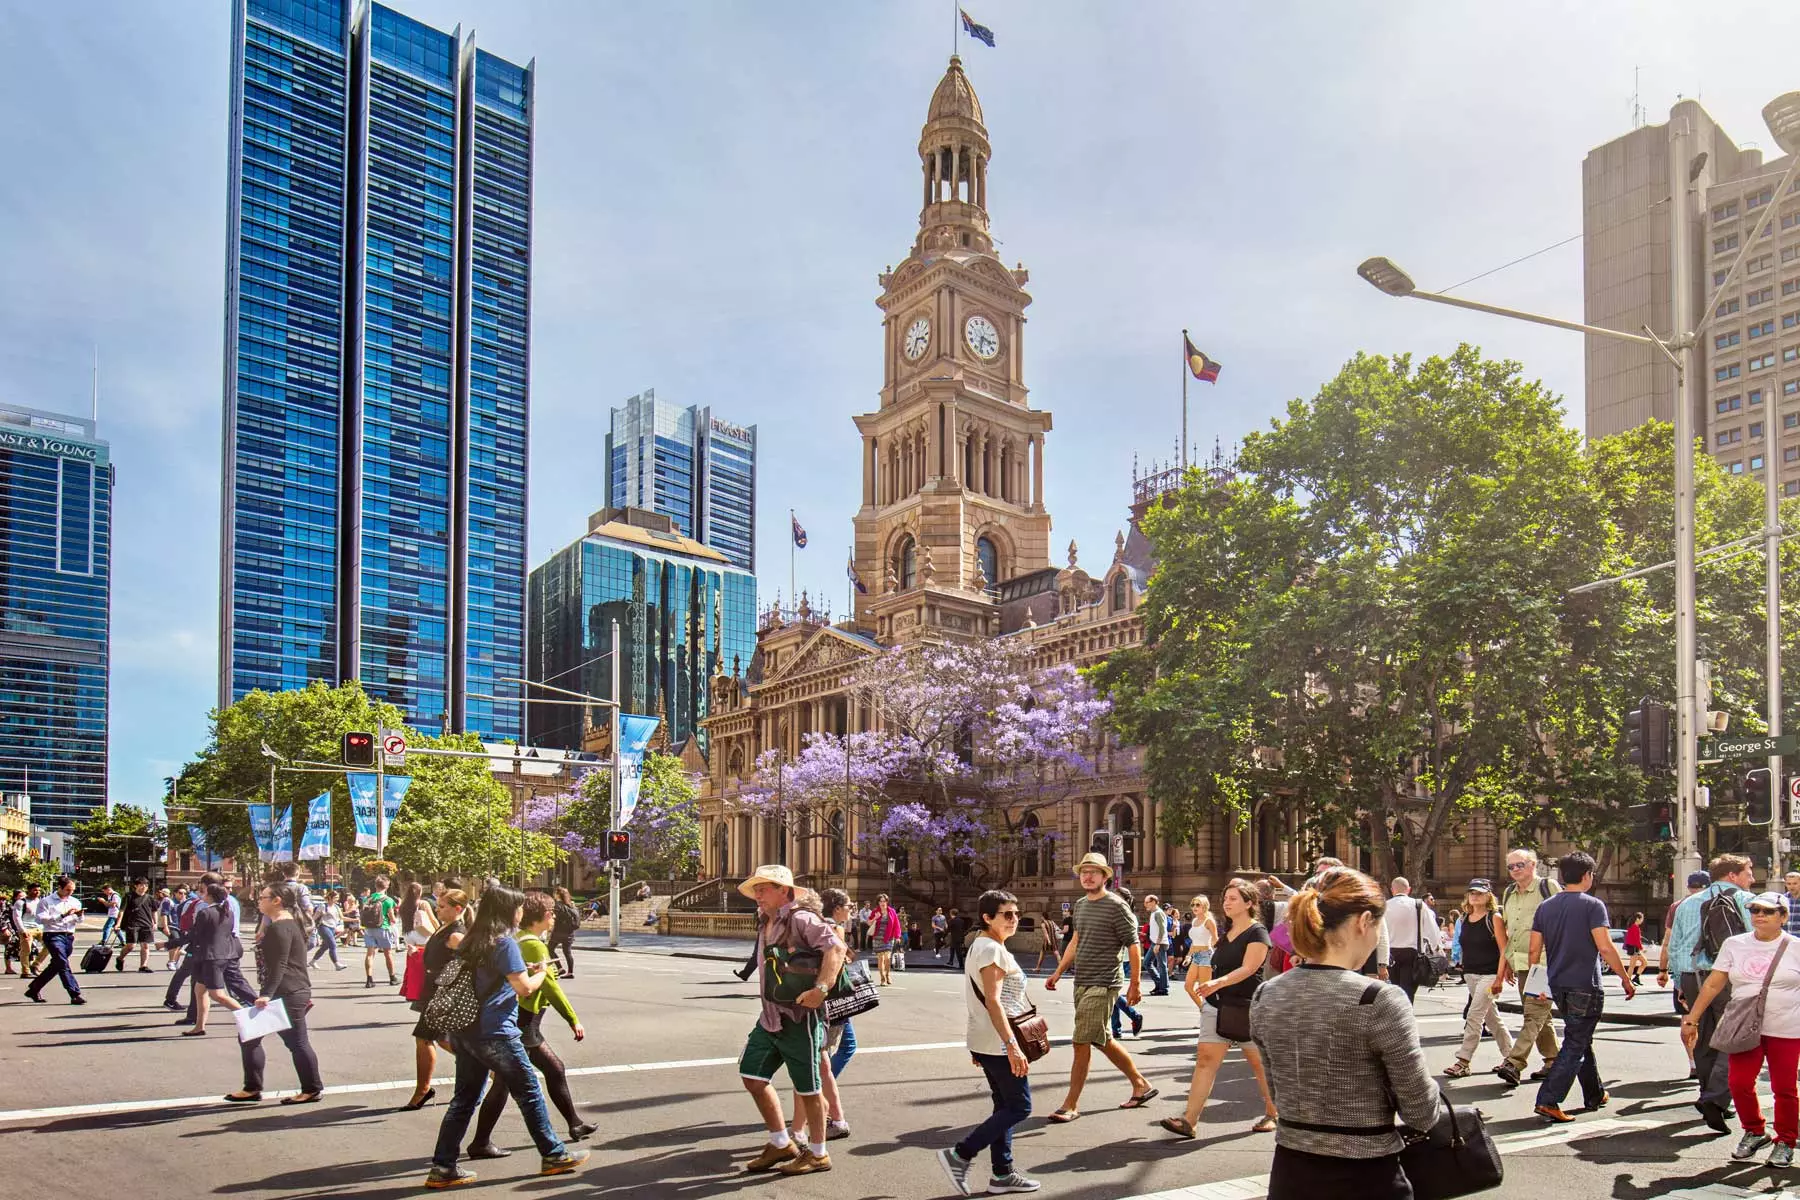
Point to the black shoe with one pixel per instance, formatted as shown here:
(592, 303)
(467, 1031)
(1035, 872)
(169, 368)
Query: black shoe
(745, 974)
(35, 998)
(369, 981)
(185, 1021)
(1541, 1073)
(1137, 1026)
(1507, 1075)
(583, 1130)
(142, 971)
(172, 1006)
(1714, 1116)
(77, 999)
(487, 1150)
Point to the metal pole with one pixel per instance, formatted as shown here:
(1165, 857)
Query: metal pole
(380, 791)
(612, 871)
(1681, 310)
(1184, 400)
(1772, 601)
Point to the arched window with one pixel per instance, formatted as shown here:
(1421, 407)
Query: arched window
(1030, 836)
(1121, 597)
(908, 567)
(840, 859)
(989, 558)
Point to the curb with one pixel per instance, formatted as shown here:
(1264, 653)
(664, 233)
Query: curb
(1624, 1018)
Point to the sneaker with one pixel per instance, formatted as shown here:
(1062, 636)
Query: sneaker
(1137, 1026)
(448, 1177)
(836, 1129)
(1012, 1181)
(1552, 1113)
(1749, 1144)
(805, 1163)
(562, 1164)
(957, 1168)
(1782, 1155)
(770, 1157)
(1457, 1070)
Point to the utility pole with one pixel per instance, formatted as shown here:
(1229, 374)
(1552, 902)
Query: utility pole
(1687, 776)
(1778, 858)
(618, 781)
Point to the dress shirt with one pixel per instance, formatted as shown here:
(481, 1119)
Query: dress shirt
(59, 915)
(1403, 916)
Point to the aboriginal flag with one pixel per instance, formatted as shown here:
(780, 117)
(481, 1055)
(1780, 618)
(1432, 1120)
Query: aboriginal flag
(1205, 369)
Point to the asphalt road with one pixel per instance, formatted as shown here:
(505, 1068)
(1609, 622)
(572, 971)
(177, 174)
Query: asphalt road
(106, 1100)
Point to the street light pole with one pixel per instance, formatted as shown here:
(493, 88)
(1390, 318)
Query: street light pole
(1681, 315)
(618, 781)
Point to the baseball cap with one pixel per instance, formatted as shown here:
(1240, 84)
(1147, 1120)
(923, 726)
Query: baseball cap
(1480, 885)
(1698, 879)
(1771, 900)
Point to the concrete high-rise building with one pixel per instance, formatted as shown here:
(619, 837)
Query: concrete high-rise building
(377, 325)
(685, 613)
(56, 485)
(693, 467)
(1748, 364)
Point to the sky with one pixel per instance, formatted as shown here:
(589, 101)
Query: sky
(718, 185)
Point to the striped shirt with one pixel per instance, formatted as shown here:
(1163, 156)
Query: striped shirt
(1331, 1060)
(1103, 930)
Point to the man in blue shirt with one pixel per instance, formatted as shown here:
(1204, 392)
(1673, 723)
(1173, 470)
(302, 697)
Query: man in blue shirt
(1733, 877)
(1571, 934)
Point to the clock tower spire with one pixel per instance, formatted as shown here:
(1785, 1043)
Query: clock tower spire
(953, 494)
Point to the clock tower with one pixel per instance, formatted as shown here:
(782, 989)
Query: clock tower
(953, 490)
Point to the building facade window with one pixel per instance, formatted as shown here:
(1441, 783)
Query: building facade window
(989, 561)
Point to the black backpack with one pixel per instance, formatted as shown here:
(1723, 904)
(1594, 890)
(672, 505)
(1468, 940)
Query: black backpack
(567, 920)
(371, 912)
(1720, 918)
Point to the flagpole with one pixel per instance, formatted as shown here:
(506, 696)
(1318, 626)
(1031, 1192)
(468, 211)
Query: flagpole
(792, 520)
(1184, 400)
(955, 27)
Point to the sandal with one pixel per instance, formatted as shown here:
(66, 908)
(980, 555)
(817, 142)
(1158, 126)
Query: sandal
(1063, 1116)
(1265, 1125)
(1177, 1125)
(1457, 1070)
(302, 1098)
(1138, 1101)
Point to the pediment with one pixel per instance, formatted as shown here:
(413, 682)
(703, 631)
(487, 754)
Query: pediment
(828, 648)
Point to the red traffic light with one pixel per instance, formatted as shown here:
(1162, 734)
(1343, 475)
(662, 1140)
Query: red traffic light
(359, 749)
(618, 845)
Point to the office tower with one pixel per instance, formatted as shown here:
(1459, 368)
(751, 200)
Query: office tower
(376, 393)
(693, 467)
(685, 613)
(56, 484)
(1748, 364)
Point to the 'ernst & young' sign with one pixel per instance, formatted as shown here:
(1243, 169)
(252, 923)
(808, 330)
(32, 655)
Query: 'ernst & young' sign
(37, 443)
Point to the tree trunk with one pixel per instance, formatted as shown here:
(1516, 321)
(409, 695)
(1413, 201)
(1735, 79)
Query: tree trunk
(1381, 843)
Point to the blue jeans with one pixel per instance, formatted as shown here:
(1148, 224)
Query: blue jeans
(1158, 970)
(107, 927)
(60, 946)
(1122, 1009)
(1580, 1010)
(846, 1049)
(505, 1057)
(1012, 1104)
(327, 945)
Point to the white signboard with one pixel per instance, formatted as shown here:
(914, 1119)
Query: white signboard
(393, 749)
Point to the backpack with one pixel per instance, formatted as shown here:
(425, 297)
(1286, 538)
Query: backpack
(454, 1005)
(567, 920)
(185, 921)
(1719, 919)
(371, 912)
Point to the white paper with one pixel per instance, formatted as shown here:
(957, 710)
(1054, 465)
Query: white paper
(253, 1022)
(1537, 982)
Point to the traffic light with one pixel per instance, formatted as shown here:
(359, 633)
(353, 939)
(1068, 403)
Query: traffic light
(1100, 842)
(1647, 735)
(359, 749)
(618, 845)
(1634, 737)
(1759, 796)
(1653, 822)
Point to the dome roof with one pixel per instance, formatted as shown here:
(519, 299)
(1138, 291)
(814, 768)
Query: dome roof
(954, 96)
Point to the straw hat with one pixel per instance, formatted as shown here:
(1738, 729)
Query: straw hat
(775, 873)
(1094, 860)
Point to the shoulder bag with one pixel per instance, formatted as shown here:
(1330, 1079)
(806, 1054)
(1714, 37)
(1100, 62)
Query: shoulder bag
(1457, 1157)
(789, 974)
(861, 999)
(1030, 1030)
(1740, 1029)
(1430, 965)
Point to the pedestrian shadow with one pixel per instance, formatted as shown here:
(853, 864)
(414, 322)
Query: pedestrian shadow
(654, 1139)
(392, 1179)
(681, 1173)
(658, 1101)
(315, 1117)
(1734, 1174)
(118, 1041)
(102, 1122)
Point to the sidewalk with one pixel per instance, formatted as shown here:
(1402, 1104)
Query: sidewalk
(734, 950)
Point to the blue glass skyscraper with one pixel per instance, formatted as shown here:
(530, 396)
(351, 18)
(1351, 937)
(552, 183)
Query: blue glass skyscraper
(56, 483)
(377, 334)
(693, 467)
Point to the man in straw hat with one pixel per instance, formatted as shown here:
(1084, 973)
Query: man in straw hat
(1104, 926)
(789, 1035)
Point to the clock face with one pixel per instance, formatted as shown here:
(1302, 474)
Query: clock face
(983, 339)
(918, 337)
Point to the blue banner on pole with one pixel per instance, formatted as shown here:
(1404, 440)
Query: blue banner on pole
(362, 804)
(634, 735)
(316, 841)
(197, 837)
(262, 828)
(283, 848)
(393, 791)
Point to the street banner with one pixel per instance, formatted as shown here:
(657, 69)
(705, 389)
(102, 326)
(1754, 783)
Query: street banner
(316, 841)
(393, 791)
(362, 804)
(283, 848)
(197, 837)
(262, 828)
(634, 735)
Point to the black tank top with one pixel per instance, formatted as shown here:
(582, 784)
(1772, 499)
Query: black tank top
(1480, 952)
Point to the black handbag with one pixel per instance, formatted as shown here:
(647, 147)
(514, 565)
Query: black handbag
(1234, 1021)
(861, 999)
(1456, 1157)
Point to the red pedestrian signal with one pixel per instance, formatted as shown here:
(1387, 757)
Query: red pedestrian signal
(359, 749)
(618, 845)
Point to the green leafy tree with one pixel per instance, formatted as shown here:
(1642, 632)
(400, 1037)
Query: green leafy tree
(117, 846)
(1363, 626)
(457, 818)
(18, 871)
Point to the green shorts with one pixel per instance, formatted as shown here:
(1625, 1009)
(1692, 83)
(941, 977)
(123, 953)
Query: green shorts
(1093, 1014)
(797, 1047)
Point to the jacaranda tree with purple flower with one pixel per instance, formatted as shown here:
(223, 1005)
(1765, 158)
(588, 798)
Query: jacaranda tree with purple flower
(665, 825)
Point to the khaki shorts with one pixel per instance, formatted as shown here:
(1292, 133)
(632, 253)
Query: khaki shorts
(1093, 1014)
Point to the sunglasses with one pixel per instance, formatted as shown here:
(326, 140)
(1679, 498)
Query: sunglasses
(1517, 866)
(1763, 910)
(1009, 913)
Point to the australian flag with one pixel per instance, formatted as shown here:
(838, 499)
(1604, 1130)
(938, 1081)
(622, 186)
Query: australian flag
(799, 533)
(980, 33)
(862, 589)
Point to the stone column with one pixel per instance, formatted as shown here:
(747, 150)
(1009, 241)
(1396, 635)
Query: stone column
(952, 464)
(868, 471)
(1152, 833)
(1037, 470)
(956, 172)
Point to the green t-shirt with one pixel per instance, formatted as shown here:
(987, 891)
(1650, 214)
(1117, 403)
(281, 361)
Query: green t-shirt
(1104, 929)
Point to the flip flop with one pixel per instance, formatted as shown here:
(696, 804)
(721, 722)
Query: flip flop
(1177, 1125)
(302, 1098)
(1140, 1101)
(1264, 1125)
(1063, 1116)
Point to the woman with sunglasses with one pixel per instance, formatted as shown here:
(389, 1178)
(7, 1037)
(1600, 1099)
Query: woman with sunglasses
(996, 991)
(1745, 962)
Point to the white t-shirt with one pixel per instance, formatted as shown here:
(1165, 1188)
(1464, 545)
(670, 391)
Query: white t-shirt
(112, 907)
(1159, 928)
(986, 952)
(1747, 961)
